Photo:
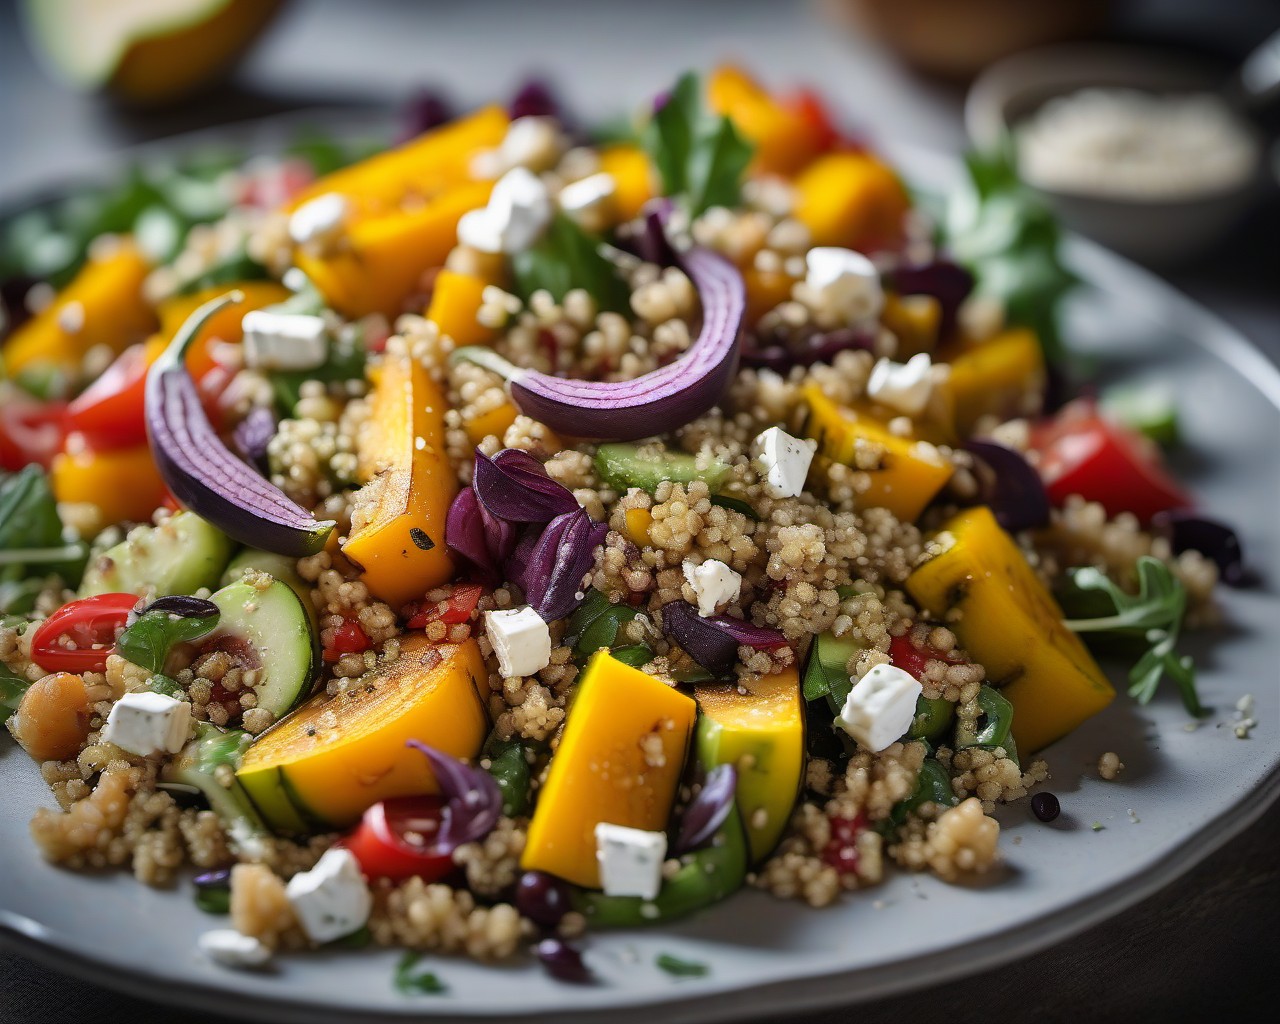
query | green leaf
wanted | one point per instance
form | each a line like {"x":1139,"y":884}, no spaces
{"x":214,"y":899}
{"x":669,"y":136}
{"x":735,"y":505}
{"x":12,"y":687}
{"x":716,"y":166}
{"x":509,"y":767}
{"x":148,"y":641}
{"x":567,"y":257}
{"x":827,"y":673}
{"x":28,"y":512}
{"x":681,"y":968}
{"x":410,"y":982}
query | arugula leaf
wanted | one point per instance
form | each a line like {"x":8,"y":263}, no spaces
{"x":567,"y":257}
{"x":12,"y":687}
{"x":510,"y":770}
{"x":148,"y":641}
{"x":1153,"y":616}
{"x":408,"y":982}
{"x":699,"y":156}
{"x":681,"y":968}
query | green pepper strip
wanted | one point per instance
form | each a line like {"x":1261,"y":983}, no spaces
{"x":197,"y":765}
{"x":998,"y":713}
{"x":706,"y":876}
{"x":932,"y":784}
{"x":934,"y":716}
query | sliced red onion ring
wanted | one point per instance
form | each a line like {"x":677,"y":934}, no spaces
{"x":708,"y":810}
{"x":1010,"y":486}
{"x":712,"y":641}
{"x":472,"y":799}
{"x":1185,"y":530}
{"x":514,"y":486}
{"x":252,"y":435}
{"x":202,"y":472}
{"x":551,"y":572}
{"x":946,"y":281}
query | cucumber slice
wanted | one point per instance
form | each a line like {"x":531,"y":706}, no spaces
{"x":1150,"y":410}
{"x":268,"y":629}
{"x":280,"y":567}
{"x":181,"y":555}
{"x":627,"y":465}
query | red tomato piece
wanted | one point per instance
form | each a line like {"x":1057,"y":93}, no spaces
{"x":1083,"y":453}
{"x":841,"y":851}
{"x":348,"y":638}
{"x":457,"y":607}
{"x":395,"y":840}
{"x":109,"y":412}
{"x":813,"y":111}
{"x":79,"y":636}
{"x":914,"y":660}
{"x":30,"y":430}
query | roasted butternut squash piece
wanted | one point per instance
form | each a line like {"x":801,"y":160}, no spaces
{"x":454,"y":304}
{"x":397,"y":525}
{"x":103,"y":305}
{"x":852,"y":200}
{"x":424,"y":167}
{"x":619,"y":761}
{"x":915,"y":321}
{"x":323,"y":765}
{"x":1010,"y":623}
{"x":494,"y":422}
{"x":761,"y":733}
{"x":224,"y":325}
{"x":384,"y":257}
{"x":783,"y":138}
{"x":633,"y":177}
{"x":998,"y":377}
{"x":909,"y":472}
{"x":765,"y":290}
{"x":123,"y":482}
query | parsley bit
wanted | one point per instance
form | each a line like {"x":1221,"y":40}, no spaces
{"x":673,"y":965}
{"x":409,"y":983}
{"x":1097,"y":826}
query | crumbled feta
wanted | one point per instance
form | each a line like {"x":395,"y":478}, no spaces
{"x":630,"y":860}
{"x":880,"y":707}
{"x":784,"y":461}
{"x":284,"y":341}
{"x":842,"y":283}
{"x":714,"y":583}
{"x":588,"y":200}
{"x":521,"y":641}
{"x":532,"y":142}
{"x":229,"y":948}
{"x":518,"y":213}
{"x":902,"y":386}
{"x":148,"y":723}
{"x":320,"y":220}
{"x":331,"y":900}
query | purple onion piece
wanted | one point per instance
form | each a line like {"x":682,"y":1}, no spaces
{"x":708,"y":810}
{"x":252,"y":435}
{"x":473,"y":801}
{"x":703,"y":640}
{"x":820,"y":348}
{"x":465,"y":537}
{"x":219,"y":879}
{"x":424,"y":110}
{"x":534,"y":98}
{"x":1011,"y":487}
{"x":551,"y":577}
{"x":182,"y":606}
{"x":514,"y":486}
{"x":563,"y":961}
{"x":762,"y":638}
{"x":1186,"y":530}
{"x":946,"y":281}
{"x":13,"y":302}
{"x":543,"y":898}
{"x":203,"y":473}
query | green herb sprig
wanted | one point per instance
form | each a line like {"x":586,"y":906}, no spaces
{"x":411,"y":981}
{"x":12,"y":687}
{"x":674,"y":965}
{"x":567,"y":257}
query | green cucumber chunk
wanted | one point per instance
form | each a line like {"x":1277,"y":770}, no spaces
{"x":180,"y":556}
{"x":281,"y":567}
{"x":623,"y":466}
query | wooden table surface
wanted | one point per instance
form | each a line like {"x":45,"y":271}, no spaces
{"x":1204,"y":946}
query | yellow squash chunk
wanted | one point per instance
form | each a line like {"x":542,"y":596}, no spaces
{"x":1010,"y":623}
{"x":914,"y":320}
{"x":909,"y":472}
{"x":103,"y":305}
{"x":633,"y":177}
{"x":397,"y":526}
{"x":619,"y":761}
{"x":765,"y":290}
{"x":761,"y":733}
{"x":996,"y":377}
{"x":784,"y":140}
{"x":224,"y":324}
{"x":324,"y":764}
{"x":455,"y":301}
{"x":638,"y":522}
{"x":492,"y":423}
{"x":851,"y":200}
{"x":383,"y":258}
{"x":123,"y":482}
{"x":424,"y":167}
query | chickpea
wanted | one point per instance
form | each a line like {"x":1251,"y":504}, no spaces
{"x":52,"y":721}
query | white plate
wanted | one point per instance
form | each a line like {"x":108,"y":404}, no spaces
{"x":1183,"y":794}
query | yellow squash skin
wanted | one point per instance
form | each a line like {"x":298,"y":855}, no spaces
{"x":911,"y":472}
{"x":123,"y":482}
{"x":1011,"y":624}
{"x":761,"y":733}
{"x":850,"y":199}
{"x":103,"y":305}
{"x":409,"y":485}
{"x":327,"y":762}
{"x":602,"y":771}
{"x":992,"y":377}
{"x":455,"y":301}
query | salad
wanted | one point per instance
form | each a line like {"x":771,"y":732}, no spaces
{"x":528,"y":529}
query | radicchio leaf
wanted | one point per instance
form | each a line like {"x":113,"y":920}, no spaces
{"x":1010,"y":486}
{"x":712,"y":641}
{"x":552,"y":575}
{"x":514,"y":486}
{"x":473,"y":801}
{"x":708,"y":810}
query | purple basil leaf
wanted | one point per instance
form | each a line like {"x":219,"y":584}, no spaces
{"x":514,"y":486}
{"x":946,"y":281}
{"x":1010,"y":486}
{"x":708,"y":810}
{"x":425,"y":109}
{"x":1185,"y":530}
{"x":704,"y":641}
{"x":516,"y":566}
{"x":467,"y":539}
{"x":252,"y":435}
{"x":552,"y":575}
{"x":473,"y":801}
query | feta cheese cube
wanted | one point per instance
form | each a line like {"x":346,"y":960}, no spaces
{"x":148,"y":723}
{"x":841,"y":284}
{"x":630,"y":860}
{"x":880,"y":707}
{"x":229,"y":948}
{"x":784,"y":461}
{"x":320,"y":220}
{"x":714,"y":583}
{"x":902,"y":386}
{"x":521,"y":641}
{"x":284,"y":341}
{"x":588,"y":200}
{"x":331,"y":900}
{"x":519,"y":211}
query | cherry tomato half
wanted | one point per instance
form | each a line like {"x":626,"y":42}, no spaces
{"x":109,"y":412}
{"x":457,"y":607}
{"x":30,"y":430}
{"x":348,"y":638}
{"x":914,"y":660}
{"x":394,"y":840}
{"x":79,"y":636}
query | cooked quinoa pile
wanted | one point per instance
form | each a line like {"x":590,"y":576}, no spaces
{"x":866,"y":382}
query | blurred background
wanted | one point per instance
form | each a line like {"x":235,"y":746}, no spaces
{"x":1188,"y":187}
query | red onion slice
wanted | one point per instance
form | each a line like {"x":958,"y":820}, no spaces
{"x":1010,"y":486}
{"x":708,"y":810}
{"x":712,"y":641}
